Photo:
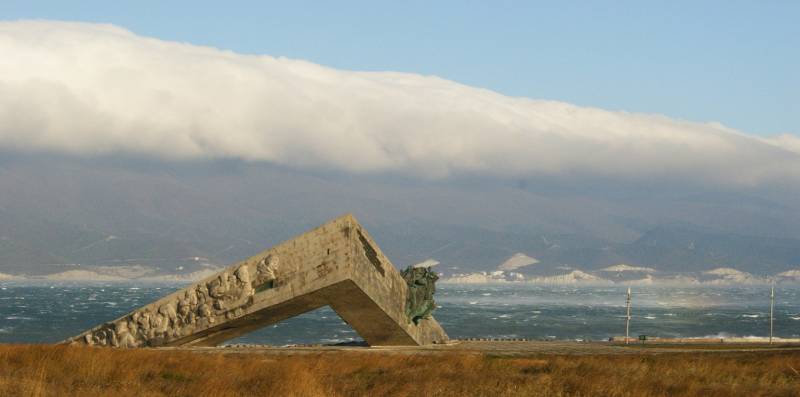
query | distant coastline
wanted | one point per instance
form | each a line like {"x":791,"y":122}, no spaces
{"x":718,"y":277}
{"x":612,"y":275}
{"x":116,"y":274}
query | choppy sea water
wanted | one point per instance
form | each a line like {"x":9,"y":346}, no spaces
{"x":39,"y":312}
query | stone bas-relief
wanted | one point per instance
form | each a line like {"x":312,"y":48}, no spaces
{"x":223,"y":298}
{"x":337,"y":265}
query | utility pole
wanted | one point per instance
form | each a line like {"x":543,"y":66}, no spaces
{"x":771,"y":310}
{"x":628,"y":317}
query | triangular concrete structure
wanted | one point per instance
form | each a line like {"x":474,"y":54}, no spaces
{"x":336,"y":264}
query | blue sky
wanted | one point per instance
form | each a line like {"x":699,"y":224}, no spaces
{"x":728,"y":61}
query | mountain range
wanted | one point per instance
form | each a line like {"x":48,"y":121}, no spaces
{"x":58,"y":213}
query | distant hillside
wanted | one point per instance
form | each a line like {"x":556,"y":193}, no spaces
{"x":57,"y":211}
{"x":683,"y":249}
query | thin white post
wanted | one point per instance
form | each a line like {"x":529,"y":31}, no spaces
{"x":771,"y":311}
{"x":628,"y":317}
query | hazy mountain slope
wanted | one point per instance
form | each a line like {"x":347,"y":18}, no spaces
{"x":681,"y":248}
{"x":56,"y":210}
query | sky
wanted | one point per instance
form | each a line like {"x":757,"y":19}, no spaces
{"x":733,"y":62}
{"x":668,"y":92}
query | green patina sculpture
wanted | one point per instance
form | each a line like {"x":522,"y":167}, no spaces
{"x":421,"y":287}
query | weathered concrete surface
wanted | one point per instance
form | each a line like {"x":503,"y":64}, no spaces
{"x":337,"y":264}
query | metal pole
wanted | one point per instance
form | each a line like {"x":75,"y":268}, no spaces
{"x":628,"y":317}
{"x":771,"y":311}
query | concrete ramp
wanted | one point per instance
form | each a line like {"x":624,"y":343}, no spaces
{"x":336,"y":264}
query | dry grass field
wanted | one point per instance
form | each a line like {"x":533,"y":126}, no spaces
{"x":44,"y":370}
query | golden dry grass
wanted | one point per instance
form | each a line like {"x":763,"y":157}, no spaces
{"x":43,"y":370}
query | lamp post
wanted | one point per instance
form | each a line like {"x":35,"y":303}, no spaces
{"x":771,"y":311}
{"x":628,"y":317}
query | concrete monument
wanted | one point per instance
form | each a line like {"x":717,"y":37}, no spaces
{"x":336,"y":264}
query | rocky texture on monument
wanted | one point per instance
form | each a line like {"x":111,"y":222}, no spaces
{"x":336,"y":264}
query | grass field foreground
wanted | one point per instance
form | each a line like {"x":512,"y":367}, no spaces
{"x":46,"y":370}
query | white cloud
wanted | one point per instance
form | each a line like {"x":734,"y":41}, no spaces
{"x":89,"y":89}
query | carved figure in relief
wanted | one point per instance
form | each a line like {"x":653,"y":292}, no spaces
{"x":266,"y":273}
{"x":168,"y":311}
{"x":158,"y":324}
{"x":124,"y":337}
{"x":186,"y":307}
{"x":191,"y":297}
{"x":231,"y":285}
{"x":201,"y":293}
{"x":204,"y":312}
{"x":144,"y":323}
{"x":218,"y":287}
{"x":244,"y":282}
{"x":101,"y":337}
{"x":132,"y":327}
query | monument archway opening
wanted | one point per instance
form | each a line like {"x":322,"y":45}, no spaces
{"x":318,"y":327}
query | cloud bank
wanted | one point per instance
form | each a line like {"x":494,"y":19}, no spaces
{"x":90,"y":89}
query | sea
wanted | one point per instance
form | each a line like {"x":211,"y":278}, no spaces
{"x":47,"y":312}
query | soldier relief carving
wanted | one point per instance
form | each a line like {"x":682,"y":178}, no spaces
{"x":224,"y":297}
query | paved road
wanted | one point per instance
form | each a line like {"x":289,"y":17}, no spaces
{"x":511,"y":348}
